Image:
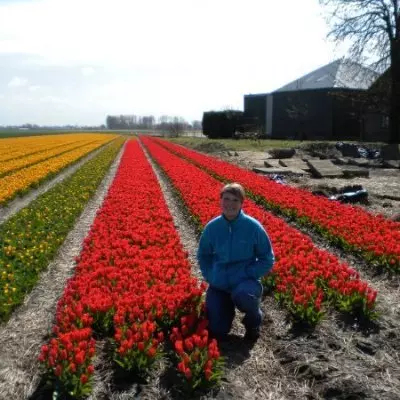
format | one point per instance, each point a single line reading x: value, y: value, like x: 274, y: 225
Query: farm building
x: 319, y: 105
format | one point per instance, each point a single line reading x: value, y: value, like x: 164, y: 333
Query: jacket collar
x: 240, y: 216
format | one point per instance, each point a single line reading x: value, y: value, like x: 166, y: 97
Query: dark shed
x: 313, y: 106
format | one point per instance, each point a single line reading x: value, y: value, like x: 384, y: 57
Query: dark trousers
x: 220, y: 306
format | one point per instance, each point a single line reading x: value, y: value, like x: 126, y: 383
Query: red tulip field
x: 101, y: 296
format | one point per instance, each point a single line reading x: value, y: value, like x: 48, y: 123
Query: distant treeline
x: 165, y: 122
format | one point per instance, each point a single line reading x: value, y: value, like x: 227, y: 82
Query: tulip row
x: 304, y: 277
x: 15, y: 164
x: 132, y: 284
x: 30, y: 238
x: 23, y: 179
x: 199, y: 360
x: 374, y: 237
x: 11, y: 148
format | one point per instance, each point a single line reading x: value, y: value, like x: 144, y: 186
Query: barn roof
x: 340, y: 74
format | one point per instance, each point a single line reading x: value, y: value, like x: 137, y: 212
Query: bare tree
x: 177, y: 127
x: 172, y: 126
x: 373, y: 27
x: 196, y: 125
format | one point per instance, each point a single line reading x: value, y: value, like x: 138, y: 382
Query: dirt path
x: 30, y: 325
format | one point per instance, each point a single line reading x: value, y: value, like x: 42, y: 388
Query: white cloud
x: 53, y: 99
x: 17, y: 82
x: 34, y: 88
x: 23, y: 99
x: 88, y: 71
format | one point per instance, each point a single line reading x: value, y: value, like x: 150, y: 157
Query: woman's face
x: 230, y: 205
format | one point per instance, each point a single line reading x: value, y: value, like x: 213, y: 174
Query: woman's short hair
x: 234, y: 188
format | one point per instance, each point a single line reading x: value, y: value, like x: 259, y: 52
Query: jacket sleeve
x: 205, y: 254
x: 264, y: 253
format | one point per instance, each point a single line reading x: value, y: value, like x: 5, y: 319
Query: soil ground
x: 342, y: 358
x: 382, y: 185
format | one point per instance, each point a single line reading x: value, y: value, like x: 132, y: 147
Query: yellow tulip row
x: 11, y: 148
x: 7, y: 167
x: 21, y: 180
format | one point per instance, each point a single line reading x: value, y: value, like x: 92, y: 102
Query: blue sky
x: 75, y: 61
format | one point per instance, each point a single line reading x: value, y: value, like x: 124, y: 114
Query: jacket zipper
x: 229, y: 254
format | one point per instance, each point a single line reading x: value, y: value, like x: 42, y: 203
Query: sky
x: 77, y: 61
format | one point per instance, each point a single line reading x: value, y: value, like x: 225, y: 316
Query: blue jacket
x: 233, y: 251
